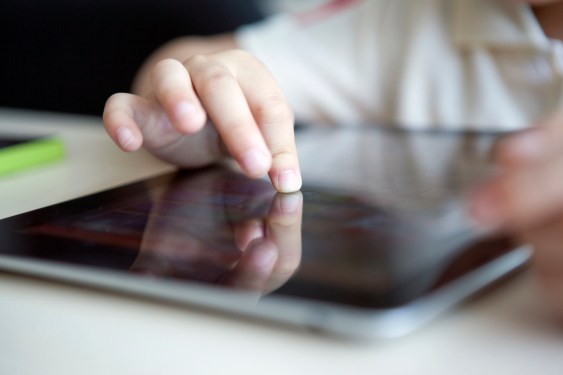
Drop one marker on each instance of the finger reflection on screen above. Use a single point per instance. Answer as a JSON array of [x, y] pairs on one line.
[[218, 227], [269, 261]]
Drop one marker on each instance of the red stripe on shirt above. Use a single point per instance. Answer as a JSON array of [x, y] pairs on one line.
[[325, 11]]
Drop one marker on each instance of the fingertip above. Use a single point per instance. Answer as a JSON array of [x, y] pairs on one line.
[[288, 181], [127, 140]]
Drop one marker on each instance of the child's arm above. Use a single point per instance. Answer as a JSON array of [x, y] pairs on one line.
[[252, 121]]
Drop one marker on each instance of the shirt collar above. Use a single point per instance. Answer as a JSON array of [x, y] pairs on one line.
[[496, 23]]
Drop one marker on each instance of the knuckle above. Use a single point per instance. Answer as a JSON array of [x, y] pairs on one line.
[[114, 101], [283, 152], [168, 97], [274, 111], [164, 65], [196, 60], [114, 97], [240, 54], [110, 117], [167, 78], [285, 224], [215, 77]]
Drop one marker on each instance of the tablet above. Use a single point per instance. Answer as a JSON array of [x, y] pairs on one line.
[[376, 244]]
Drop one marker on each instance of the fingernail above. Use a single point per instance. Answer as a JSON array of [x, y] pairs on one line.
[[529, 145], [485, 209], [125, 138], [256, 162], [289, 182], [290, 203]]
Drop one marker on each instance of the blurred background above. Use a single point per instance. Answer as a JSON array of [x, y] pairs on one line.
[[70, 56]]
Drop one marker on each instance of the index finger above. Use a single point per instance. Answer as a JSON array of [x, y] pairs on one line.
[[251, 113], [275, 118]]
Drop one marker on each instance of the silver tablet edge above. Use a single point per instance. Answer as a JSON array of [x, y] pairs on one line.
[[352, 322]]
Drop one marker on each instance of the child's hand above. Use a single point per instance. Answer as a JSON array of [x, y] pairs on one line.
[[252, 121], [527, 198]]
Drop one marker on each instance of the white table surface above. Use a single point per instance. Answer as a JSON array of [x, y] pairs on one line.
[[53, 328]]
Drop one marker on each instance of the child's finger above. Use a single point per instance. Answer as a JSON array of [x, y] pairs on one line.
[[542, 142], [529, 189], [172, 87], [226, 105], [120, 123], [275, 119], [248, 231], [145, 123], [254, 267], [132, 121], [283, 227], [521, 197]]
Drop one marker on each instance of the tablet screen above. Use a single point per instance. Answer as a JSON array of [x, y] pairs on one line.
[[351, 243]]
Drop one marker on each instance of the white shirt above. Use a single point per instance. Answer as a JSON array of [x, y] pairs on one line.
[[456, 64]]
